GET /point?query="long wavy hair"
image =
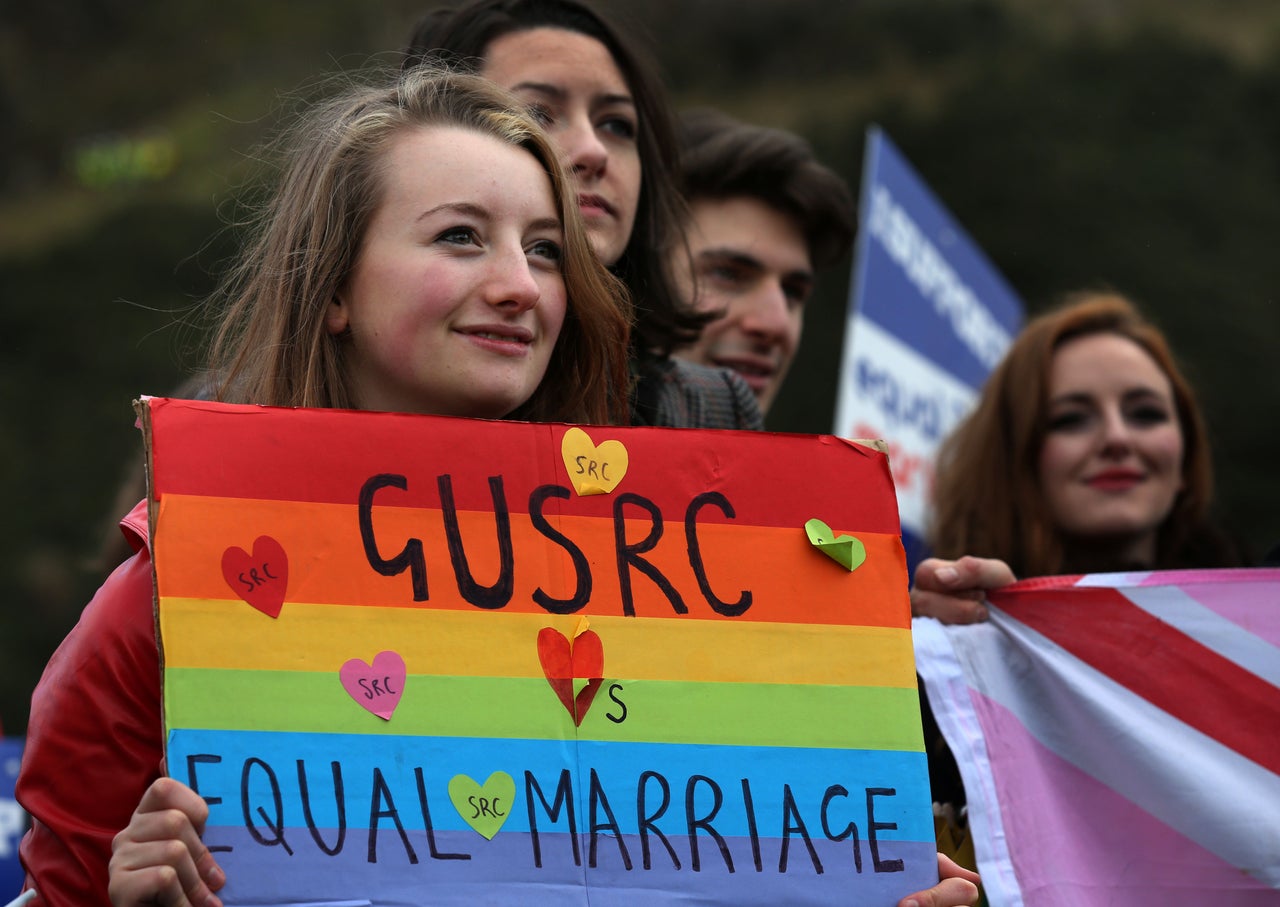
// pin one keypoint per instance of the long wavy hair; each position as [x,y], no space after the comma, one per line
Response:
[988,499]
[272,345]
[461,36]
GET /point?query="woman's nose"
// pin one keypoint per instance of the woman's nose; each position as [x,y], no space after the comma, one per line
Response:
[511,284]
[585,154]
[1117,434]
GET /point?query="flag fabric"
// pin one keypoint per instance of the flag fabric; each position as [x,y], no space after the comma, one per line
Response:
[1118,737]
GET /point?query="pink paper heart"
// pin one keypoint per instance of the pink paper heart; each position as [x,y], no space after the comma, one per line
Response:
[378,686]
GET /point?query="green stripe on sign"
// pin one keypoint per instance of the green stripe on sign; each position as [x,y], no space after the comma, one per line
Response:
[728,714]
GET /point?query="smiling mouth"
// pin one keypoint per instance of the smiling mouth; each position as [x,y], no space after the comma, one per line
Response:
[494,335]
[505,340]
[749,368]
[752,370]
[1115,481]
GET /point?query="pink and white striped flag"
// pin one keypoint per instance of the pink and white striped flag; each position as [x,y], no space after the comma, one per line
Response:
[1119,737]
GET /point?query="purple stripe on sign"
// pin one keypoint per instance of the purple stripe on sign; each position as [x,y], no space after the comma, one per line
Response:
[465,868]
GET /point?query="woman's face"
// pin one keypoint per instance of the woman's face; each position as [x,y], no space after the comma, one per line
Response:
[574,87]
[1111,459]
[456,298]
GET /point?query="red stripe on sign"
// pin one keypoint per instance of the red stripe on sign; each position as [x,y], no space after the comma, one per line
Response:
[1164,666]
[328,456]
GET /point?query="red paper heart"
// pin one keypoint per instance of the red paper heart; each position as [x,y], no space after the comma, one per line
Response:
[563,662]
[259,578]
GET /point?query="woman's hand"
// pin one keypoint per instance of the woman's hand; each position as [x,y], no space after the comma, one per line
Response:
[954,591]
[159,858]
[958,888]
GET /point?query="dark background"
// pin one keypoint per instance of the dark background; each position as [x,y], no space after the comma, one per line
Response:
[1081,143]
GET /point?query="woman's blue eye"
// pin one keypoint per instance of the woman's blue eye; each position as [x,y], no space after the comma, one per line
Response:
[458,235]
[546,248]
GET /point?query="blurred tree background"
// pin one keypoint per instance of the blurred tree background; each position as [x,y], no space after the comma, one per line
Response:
[1128,143]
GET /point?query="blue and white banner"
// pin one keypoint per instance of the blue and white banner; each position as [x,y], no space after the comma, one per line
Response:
[13,820]
[929,318]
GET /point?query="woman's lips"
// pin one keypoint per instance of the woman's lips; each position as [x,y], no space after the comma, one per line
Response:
[506,339]
[594,205]
[1115,479]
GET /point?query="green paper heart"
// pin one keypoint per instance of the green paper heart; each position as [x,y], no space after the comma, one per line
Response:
[846,550]
[484,807]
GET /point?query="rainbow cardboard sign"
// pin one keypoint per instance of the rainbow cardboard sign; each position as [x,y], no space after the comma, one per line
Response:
[419,660]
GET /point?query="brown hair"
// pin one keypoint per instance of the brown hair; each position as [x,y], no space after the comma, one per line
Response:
[272,346]
[987,496]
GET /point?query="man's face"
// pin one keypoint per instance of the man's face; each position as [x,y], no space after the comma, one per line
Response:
[751,263]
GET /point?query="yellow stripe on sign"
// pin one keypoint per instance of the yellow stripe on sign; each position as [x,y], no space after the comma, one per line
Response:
[201,633]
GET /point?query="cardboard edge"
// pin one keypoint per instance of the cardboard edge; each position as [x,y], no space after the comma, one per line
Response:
[874,443]
[142,407]
[877,444]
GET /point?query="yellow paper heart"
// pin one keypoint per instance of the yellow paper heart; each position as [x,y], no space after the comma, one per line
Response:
[592,469]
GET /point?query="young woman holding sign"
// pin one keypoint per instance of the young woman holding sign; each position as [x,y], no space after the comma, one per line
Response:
[421,253]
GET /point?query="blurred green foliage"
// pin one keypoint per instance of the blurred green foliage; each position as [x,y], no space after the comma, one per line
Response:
[1132,144]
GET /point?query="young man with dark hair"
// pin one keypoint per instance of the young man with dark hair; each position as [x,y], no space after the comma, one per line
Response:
[764,215]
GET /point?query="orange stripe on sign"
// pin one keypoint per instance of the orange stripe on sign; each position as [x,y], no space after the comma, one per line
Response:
[741,572]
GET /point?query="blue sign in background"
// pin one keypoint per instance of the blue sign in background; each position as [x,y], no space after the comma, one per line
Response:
[929,318]
[922,278]
[13,820]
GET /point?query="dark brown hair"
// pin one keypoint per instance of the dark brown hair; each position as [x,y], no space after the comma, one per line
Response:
[721,158]
[461,36]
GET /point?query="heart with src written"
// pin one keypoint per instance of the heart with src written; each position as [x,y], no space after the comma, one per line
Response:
[484,807]
[260,578]
[565,663]
[593,469]
[378,686]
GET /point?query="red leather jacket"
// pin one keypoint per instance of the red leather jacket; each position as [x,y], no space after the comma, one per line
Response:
[95,741]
